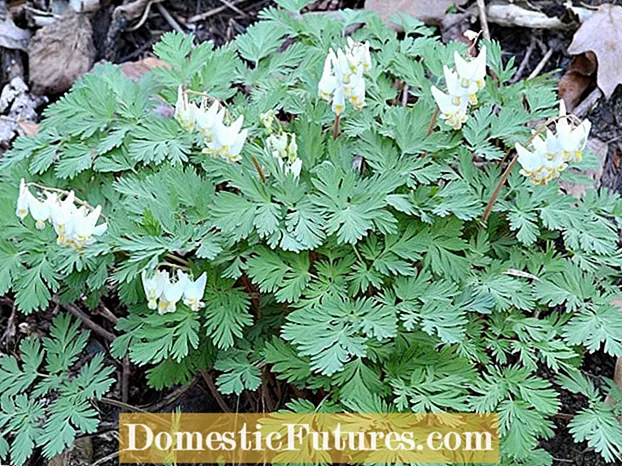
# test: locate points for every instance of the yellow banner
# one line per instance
(309, 438)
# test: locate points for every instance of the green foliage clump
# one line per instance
(369, 277)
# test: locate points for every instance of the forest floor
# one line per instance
(126, 38)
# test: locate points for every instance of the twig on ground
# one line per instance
(231, 6)
(212, 12)
(76, 312)
(481, 6)
(105, 459)
(405, 95)
(209, 381)
(540, 66)
(169, 18)
(588, 103)
(107, 313)
(143, 18)
(524, 62)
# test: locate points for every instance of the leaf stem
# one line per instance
(336, 126)
(432, 122)
(258, 168)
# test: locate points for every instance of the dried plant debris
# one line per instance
(602, 35)
(424, 10)
(577, 79)
(60, 53)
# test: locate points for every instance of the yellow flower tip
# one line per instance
(455, 100)
(40, 224)
(22, 214)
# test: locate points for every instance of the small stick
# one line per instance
(76, 312)
(169, 18)
(588, 103)
(481, 6)
(524, 62)
(336, 126)
(547, 56)
(212, 12)
(209, 381)
(234, 8)
(405, 95)
(142, 20)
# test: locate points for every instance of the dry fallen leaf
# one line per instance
(430, 12)
(60, 53)
(135, 69)
(602, 34)
(577, 78)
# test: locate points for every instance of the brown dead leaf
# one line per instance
(577, 78)
(60, 53)
(602, 34)
(135, 69)
(430, 12)
(30, 128)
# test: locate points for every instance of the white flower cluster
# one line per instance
(343, 76)
(550, 156)
(221, 140)
(283, 147)
(462, 87)
(164, 294)
(74, 226)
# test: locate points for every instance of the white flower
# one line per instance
(84, 227)
(185, 111)
(193, 290)
(573, 141)
(171, 294)
(455, 115)
(207, 121)
(342, 77)
(328, 81)
(472, 72)
(154, 286)
(228, 141)
(358, 54)
(39, 210)
(545, 162)
(61, 214)
(339, 101)
(456, 90)
(22, 201)
(284, 148)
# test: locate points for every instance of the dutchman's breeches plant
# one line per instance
(371, 218)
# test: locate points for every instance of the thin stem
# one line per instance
(358, 255)
(495, 193)
(508, 170)
(432, 122)
(178, 259)
(336, 126)
(173, 266)
(258, 168)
